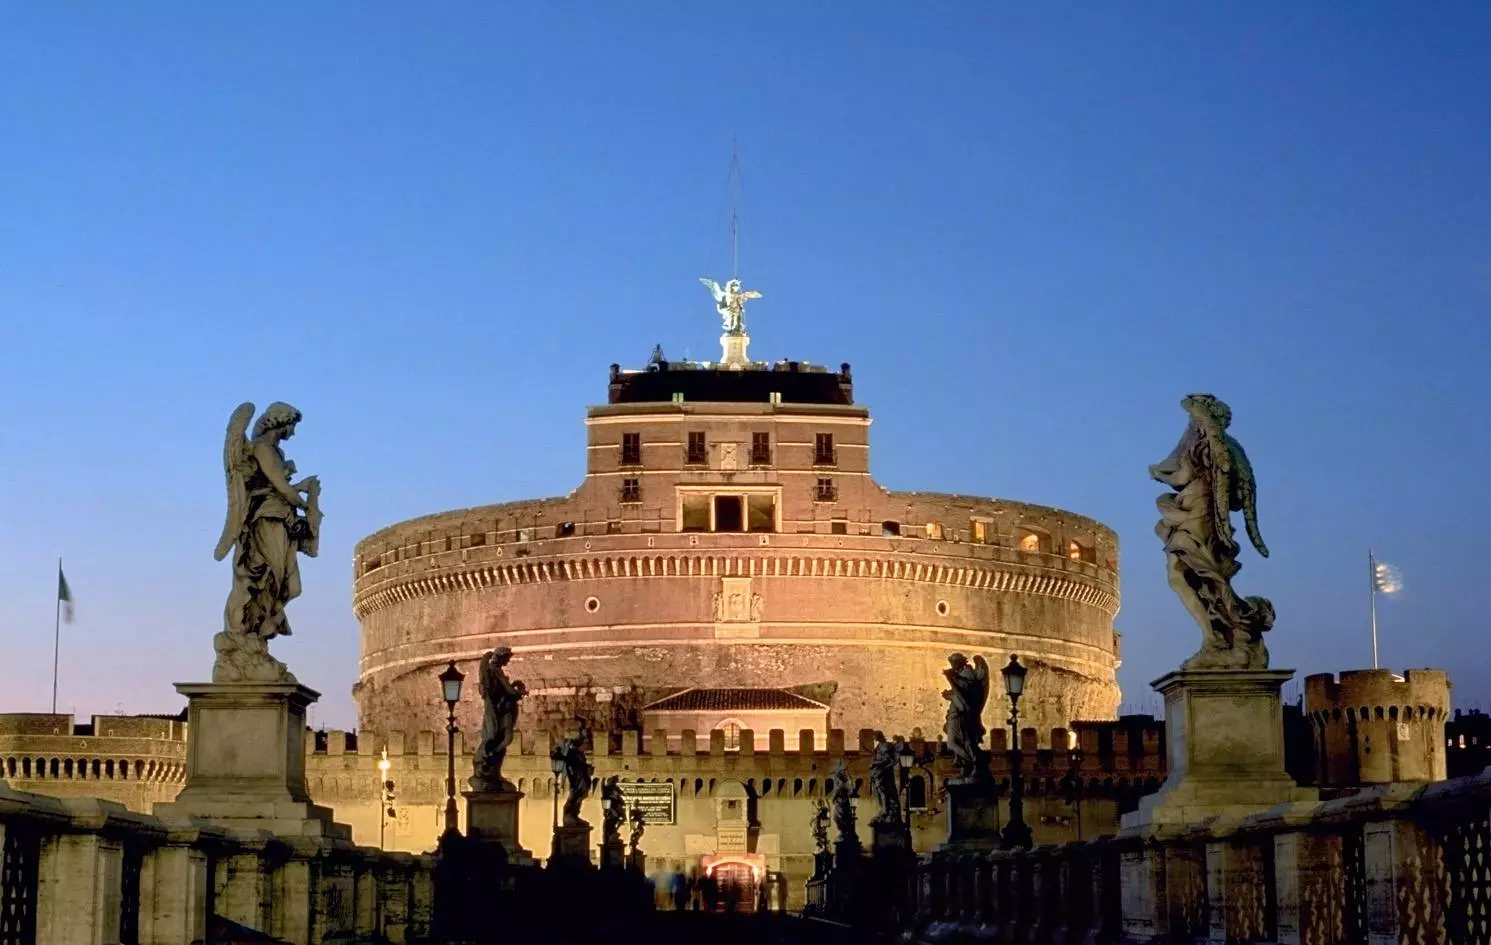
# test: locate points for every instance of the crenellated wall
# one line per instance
(1373, 726)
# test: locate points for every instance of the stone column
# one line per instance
(173, 893)
(394, 888)
(365, 897)
(1236, 892)
(78, 890)
(1407, 887)
(1310, 888)
(245, 887)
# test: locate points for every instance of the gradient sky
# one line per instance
(432, 227)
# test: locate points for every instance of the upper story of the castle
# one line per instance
(689, 455)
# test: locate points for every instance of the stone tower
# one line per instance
(1374, 726)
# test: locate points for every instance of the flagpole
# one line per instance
(56, 636)
(1372, 583)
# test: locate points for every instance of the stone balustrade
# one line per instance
(81, 871)
(1406, 863)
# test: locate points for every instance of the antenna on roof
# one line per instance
(734, 208)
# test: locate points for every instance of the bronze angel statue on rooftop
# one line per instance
(271, 519)
(1211, 478)
(729, 301)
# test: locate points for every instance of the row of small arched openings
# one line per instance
(90, 769)
(1390, 713)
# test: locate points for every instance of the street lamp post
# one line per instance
(1016, 834)
(906, 758)
(450, 690)
(383, 782)
(556, 765)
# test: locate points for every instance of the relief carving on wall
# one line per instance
(729, 456)
(736, 601)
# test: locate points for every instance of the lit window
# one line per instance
(934, 530)
(1080, 552)
(980, 530)
(1031, 542)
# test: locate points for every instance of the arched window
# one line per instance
(916, 793)
(1030, 541)
(731, 728)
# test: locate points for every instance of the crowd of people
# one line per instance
(704, 892)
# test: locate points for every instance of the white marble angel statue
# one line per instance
(1211, 478)
(730, 302)
(271, 519)
(964, 726)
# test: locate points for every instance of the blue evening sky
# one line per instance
(1031, 231)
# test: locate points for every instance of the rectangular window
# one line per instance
(823, 450)
(839, 527)
(564, 530)
(761, 513)
(698, 453)
(696, 513)
(525, 534)
(890, 529)
(728, 514)
(979, 530)
(631, 490)
(631, 449)
(613, 528)
(760, 449)
(826, 491)
(934, 531)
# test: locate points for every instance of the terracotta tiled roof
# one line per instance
(733, 700)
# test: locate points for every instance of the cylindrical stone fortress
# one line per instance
(728, 535)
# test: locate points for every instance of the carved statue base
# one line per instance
(571, 845)
(972, 818)
(889, 838)
(244, 658)
(613, 855)
(492, 817)
(245, 760)
(734, 347)
(1224, 744)
(637, 861)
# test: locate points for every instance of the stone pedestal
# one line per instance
(636, 860)
(733, 348)
(972, 818)
(571, 845)
(492, 817)
(245, 760)
(613, 855)
(1224, 743)
(889, 839)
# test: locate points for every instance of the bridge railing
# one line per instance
(81, 871)
(1402, 862)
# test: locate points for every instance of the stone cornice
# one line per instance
(995, 577)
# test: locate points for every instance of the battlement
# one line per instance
(1378, 693)
(1133, 744)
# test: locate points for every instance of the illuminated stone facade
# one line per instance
(728, 534)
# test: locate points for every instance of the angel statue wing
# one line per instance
(714, 287)
(1244, 495)
(1222, 474)
(235, 452)
(749, 294)
(980, 674)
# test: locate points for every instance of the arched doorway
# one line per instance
(736, 882)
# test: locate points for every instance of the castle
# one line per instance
(728, 539)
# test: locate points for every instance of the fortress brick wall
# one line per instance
(1373, 727)
(624, 591)
(134, 760)
(1119, 762)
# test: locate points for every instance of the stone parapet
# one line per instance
(82, 871)
(1398, 862)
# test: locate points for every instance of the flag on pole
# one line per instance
(64, 596)
(1386, 578)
